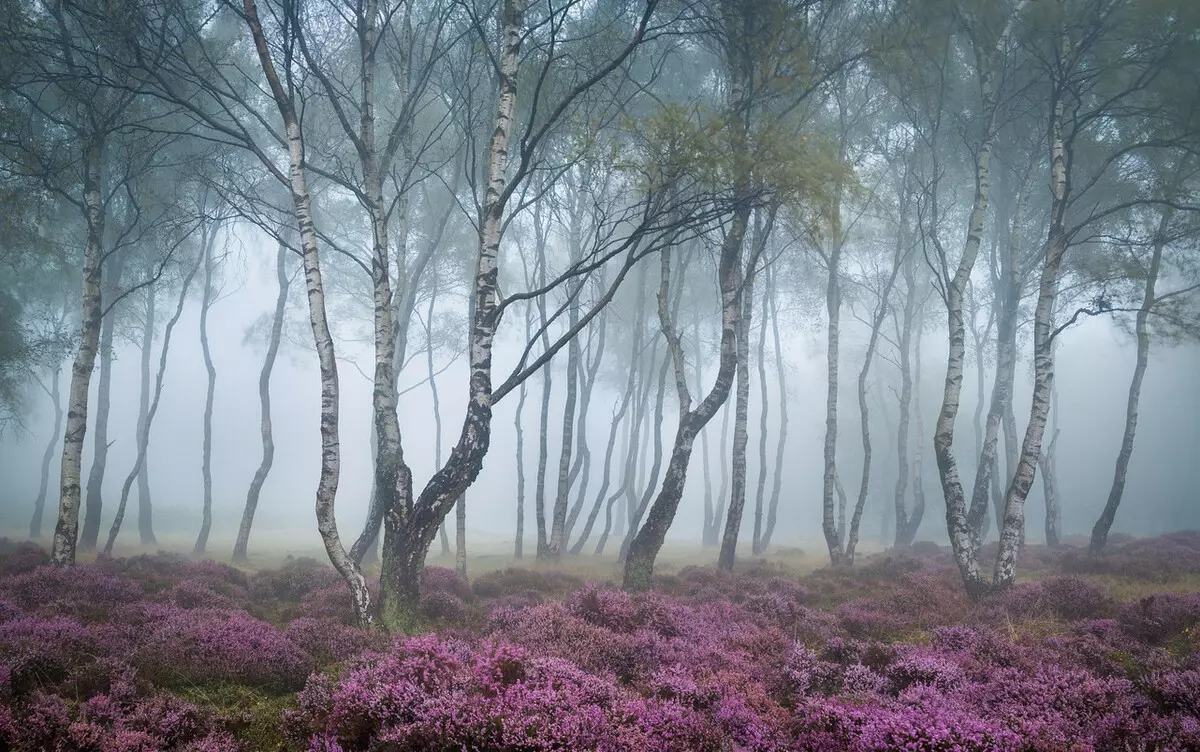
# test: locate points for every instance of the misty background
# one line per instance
(1094, 360)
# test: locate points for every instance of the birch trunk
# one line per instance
(963, 540)
(519, 545)
(206, 460)
(323, 340)
(902, 538)
(144, 426)
(756, 544)
(741, 434)
(145, 504)
(877, 320)
(632, 447)
(707, 532)
(94, 502)
(1008, 300)
(646, 544)
(781, 442)
(39, 505)
(558, 521)
(1050, 488)
(833, 303)
(712, 537)
(1104, 524)
(409, 527)
(617, 420)
(650, 482)
(583, 456)
(264, 400)
(1043, 353)
(66, 529)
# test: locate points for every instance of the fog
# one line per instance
(1094, 362)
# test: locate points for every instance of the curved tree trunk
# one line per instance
(645, 546)
(264, 400)
(617, 420)
(650, 482)
(1043, 354)
(583, 457)
(330, 447)
(206, 461)
(864, 416)
(143, 438)
(1141, 330)
(39, 505)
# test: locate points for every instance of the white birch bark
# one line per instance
(66, 529)
(323, 340)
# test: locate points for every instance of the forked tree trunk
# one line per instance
(264, 400)
(66, 529)
(959, 525)
(583, 456)
(646, 544)
(632, 453)
(1043, 352)
(1008, 299)
(829, 524)
(330, 448)
(1141, 331)
(144, 426)
(206, 460)
(94, 503)
(39, 504)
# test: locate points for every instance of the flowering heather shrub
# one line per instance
(209, 645)
(86, 592)
(444, 607)
(39, 652)
(329, 641)
(444, 579)
(297, 578)
(116, 723)
(1162, 617)
(17, 558)
(512, 581)
(1064, 597)
(1162, 559)
(432, 694)
(192, 594)
(155, 572)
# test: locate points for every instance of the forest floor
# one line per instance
(165, 652)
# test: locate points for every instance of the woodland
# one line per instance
(611, 214)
